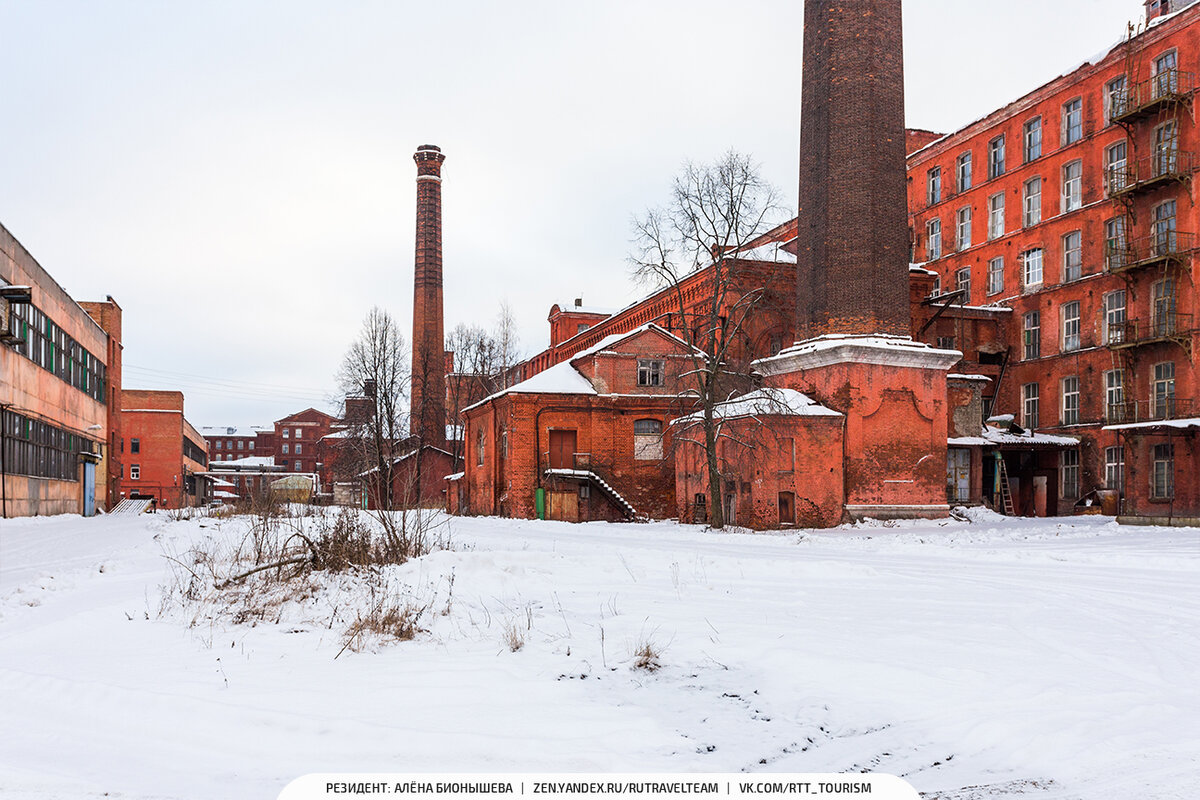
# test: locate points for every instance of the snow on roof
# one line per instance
(232, 430)
(991, 436)
(608, 341)
(571, 308)
(770, 251)
(563, 378)
(833, 341)
(765, 402)
(921, 268)
(220, 482)
(1183, 424)
(457, 476)
(957, 376)
(249, 461)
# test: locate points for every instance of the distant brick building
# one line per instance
(298, 444)
(60, 371)
(232, 442)
(165, 456)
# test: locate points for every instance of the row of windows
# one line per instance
(286, 431)
(1117, 254)
(298, 451)
(1116, 98)
(1115, 327)
(42, 450)
(1162, 402)
(194, 451)
(1117, 177)
(1162, 471)
(47, 345)
(647, 441)
(241, 444)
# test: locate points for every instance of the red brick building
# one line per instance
(298, 441)
(586, 439)
(165, 456)
(780, 456)
(1072, 210)
(232, 442)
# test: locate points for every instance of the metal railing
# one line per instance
(1169, 245)
(1166, 164)
(573, 461)
(1157, 409)
(1145, 97)
(1160, 327)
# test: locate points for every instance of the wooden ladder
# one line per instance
(1005, 490)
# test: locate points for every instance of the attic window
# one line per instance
(650, 372)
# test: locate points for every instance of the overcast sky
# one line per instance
(239, 175)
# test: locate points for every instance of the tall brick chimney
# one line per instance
(428, 391)
(858, 356)
(853, 220)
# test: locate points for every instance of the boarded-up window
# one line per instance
(647, 440)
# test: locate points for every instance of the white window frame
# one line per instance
(996, 216)
(1114, 468)
(1072, 186)
(1072, 121)
(996, 157)
(1030, 401)
(962, 228)
(1114, 395)
(1031, 139)
(1068, 468)
(1071, 326)
(933, 239)
(1031, 335)
(1033, 268)
(1114, 304)
(933, 186)
(1116, 158)
(1114, 90)
(1162, 474)
(995, 275)
(1072, 256)
(962, 282)
(650, 372)
(1069, 400)
(962, 171)
(1031, 206)
(135, 472)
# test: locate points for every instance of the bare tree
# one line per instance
(696, 248)
(376, 364)
(483, 364)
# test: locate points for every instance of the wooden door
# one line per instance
(562, 449)
(564, 505)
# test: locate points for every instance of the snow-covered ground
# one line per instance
(999, 658)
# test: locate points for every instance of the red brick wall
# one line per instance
(155, 419)
(762, 458)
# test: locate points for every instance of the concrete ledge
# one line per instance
(889, 351)
(1181, 522)
(935, 511)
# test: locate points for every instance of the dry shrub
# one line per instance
(646, 655)
(390, 617)
(513, 637)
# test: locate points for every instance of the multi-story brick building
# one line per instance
(1071, 209)
(232, 442)
(59, 367)
(165, 456)
(298, 442)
